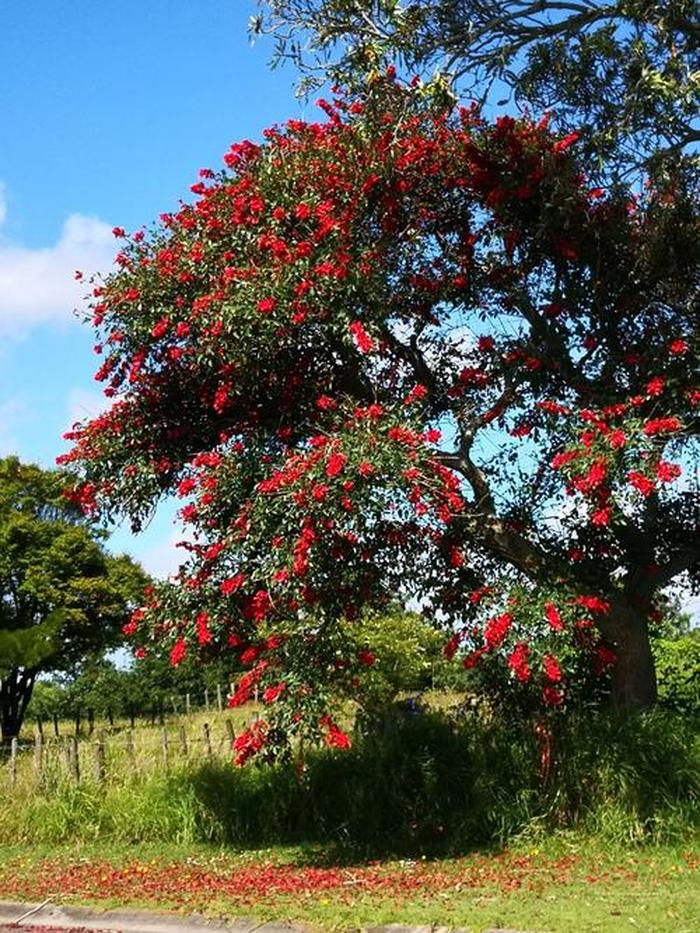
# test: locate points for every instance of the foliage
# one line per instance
(678, 671)
(405, 352)
(626, 73)
(61, 595)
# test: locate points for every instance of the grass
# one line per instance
(423, 785)
(568, 883)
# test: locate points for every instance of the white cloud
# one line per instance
(37, 286)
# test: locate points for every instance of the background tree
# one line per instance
(61, 595)
(623, 73)
(407, 352)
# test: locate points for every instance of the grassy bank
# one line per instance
(423, 785)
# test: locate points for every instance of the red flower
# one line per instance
(563, 144)
(552, 696)
(552, 614)
(594, 603)
(551, 668)
(517, 662)
(335, 463)
(678, 347)
(363, 341)
(366, 657)
(617, 438)
(335, 737)
(272, 693)
(417, 393)
(655, 386)
(450, 649)
(641, 483)
(232, 584)
(561, 459)
(661, 426)
(667, 472)
(496, 629)
(178, 652)
(249, 742)
(604, 658)
(267, 305)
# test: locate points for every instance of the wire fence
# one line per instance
(52, 760)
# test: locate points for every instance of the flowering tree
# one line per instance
(405, 352)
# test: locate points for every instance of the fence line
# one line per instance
(80, 759)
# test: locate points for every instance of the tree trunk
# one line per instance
(634, 673)
(15, 693)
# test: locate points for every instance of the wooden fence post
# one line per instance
(229, 730)
(188, 708)
(219, 698)
(164, 746)
(13, 760)
(100, 757)
(173, 701)
(55, 725)
(207, 739)
(183, 739)
(38, 756)
(206, 699)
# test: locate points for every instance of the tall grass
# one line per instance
(422, 784)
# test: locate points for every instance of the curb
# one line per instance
(127, 921)
(52, 917)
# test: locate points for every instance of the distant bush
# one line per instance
(678, 673)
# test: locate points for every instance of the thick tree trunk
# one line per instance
(634, 673)
(15, 693)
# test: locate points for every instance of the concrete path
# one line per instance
(50, 918)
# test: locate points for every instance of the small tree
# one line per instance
(407, 352)
(61, 595)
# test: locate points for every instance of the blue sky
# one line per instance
(109, 111)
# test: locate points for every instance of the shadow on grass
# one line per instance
(433, 786)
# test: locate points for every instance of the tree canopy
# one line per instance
(61, 595)
(623, 73)
(406, 352)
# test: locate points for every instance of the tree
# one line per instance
(406, 352)
(623, 73)
(61, 594)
